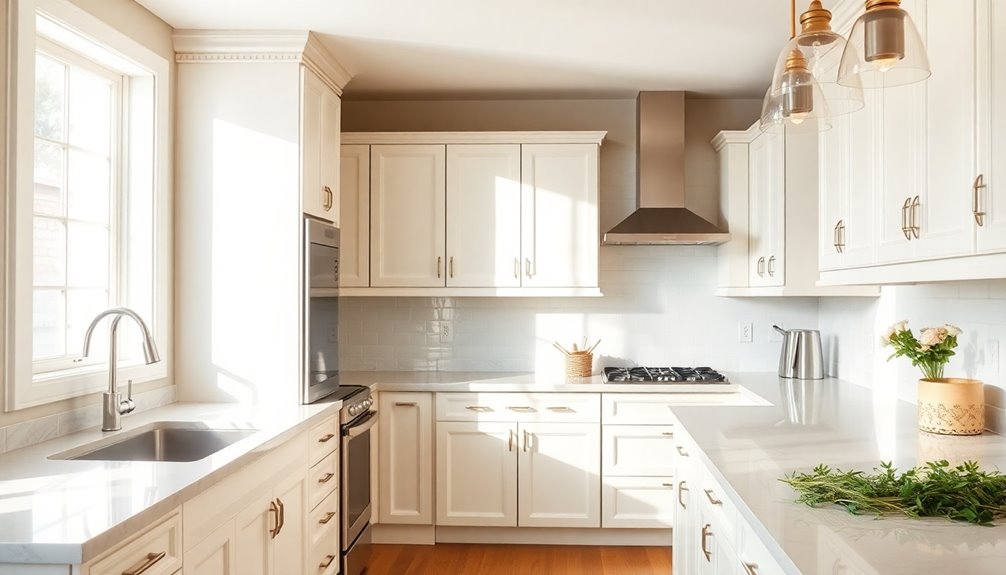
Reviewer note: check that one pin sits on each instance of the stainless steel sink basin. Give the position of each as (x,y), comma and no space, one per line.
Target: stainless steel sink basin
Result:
(161,441)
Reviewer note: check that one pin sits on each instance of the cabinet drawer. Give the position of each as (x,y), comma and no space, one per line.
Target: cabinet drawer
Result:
(637,450)
(159,548)
(637,502)
(322,479)
(638,408)
(551,407)
(720,509)
(323,533)
(754,558)
(324,439)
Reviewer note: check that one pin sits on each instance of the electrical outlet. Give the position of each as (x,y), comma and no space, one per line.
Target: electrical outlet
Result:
(333,332)
(775,336)
(745,332)
(992,356)
(446,332)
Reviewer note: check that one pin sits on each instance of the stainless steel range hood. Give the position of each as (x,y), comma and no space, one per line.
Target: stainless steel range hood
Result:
(661,216)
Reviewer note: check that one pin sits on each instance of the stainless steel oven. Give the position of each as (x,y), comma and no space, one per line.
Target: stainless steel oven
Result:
(321,313)
(357,420)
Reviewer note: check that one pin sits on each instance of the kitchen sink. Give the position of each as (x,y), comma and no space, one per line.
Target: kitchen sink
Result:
(161,441)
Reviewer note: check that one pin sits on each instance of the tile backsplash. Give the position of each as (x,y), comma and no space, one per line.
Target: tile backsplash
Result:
(658,308)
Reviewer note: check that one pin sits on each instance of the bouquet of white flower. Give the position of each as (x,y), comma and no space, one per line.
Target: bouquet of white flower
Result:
(930,352)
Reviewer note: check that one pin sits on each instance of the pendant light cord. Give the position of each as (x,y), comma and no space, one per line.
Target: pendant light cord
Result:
(792,19)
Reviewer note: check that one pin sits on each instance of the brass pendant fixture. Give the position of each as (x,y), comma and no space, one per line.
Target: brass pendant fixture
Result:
(884,49)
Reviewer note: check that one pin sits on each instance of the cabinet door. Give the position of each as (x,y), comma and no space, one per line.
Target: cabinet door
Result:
(833,190)
(214,555)
(559,223)
(559,475)
(992,127)
(311,126)
(477,474)
(638,502)
(254,527)
(354,216)
(483,215)
(331,136)
(944,217)
(864,181)
(406,453)
(637,450)
(902,162)
(766,215)
(686,516)
(290,545)
(407,215)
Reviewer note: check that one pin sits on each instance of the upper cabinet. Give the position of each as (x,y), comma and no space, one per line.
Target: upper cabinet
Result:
(481,214)
(908,183)
(767,184)
(321,113)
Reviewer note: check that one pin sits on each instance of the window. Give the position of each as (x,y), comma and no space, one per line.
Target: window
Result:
(90,203)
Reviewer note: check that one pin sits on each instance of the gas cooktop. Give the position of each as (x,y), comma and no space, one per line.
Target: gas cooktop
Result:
(665,375)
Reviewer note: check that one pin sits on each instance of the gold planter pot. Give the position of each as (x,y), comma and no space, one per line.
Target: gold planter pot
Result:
(951,406)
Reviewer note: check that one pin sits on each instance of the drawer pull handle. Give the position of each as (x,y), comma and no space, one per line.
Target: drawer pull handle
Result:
(560,409)
(671,485)
(682,452)
(328,437)
(682,488)
(521,408)
(479,408)
(527,440)
(326,478)
(328,517)
(712,498)
(750,568)
(706,533)
(274,509)
(510,435)
(146,563)
(975,202)
(667,433)
(328,561)
(405,404)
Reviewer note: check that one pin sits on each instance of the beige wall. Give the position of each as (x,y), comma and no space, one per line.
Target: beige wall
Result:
(703,119)
(142,26)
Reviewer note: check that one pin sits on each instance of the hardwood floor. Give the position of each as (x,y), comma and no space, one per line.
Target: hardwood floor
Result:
(457,559)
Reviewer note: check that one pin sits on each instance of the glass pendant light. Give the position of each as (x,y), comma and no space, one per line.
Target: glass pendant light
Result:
(884,49)
(795,97)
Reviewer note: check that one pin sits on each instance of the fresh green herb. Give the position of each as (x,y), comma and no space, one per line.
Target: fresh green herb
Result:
(962,493)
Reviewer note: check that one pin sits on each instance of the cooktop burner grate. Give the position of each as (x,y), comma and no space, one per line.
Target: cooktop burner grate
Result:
(663,375)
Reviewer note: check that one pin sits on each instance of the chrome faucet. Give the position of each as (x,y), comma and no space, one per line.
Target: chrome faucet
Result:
(113,406)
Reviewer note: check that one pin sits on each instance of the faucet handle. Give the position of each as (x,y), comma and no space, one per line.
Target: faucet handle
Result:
(127,405)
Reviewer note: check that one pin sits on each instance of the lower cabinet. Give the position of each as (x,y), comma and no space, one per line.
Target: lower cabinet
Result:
(638,475)
(518,460)
(157,550)
(405,491)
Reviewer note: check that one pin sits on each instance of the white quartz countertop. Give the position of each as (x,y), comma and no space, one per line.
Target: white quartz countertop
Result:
(68,512)
(843,426)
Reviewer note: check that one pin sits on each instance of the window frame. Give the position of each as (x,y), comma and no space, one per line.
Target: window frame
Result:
(145,160)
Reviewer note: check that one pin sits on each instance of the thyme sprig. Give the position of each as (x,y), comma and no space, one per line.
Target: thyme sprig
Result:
(961,493)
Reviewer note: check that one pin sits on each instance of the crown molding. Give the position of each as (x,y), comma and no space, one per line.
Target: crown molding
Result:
(734,137)
(473,137)
(216,46)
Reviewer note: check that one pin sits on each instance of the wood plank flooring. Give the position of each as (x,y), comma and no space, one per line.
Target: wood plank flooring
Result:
(458,559)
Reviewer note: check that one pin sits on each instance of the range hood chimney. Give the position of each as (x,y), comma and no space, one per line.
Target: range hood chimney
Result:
(661,216)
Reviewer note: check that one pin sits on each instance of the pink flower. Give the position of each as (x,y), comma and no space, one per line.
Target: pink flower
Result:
(932,336)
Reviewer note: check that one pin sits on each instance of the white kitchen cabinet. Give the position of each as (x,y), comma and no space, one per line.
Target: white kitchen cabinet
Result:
(766,213)
(269,533)
(685,516)
(559,223)
(408,242)
(354,216)
(321,115)
(559,475)
(214,555)
(475,214)
(477,473)
(483,215)
(637,450)
(989,193)
(638,502)
(936,162)
(406,458)
(157,550)
(774,248)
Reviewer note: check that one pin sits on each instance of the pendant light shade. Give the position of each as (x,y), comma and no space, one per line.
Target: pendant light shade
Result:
(884,49)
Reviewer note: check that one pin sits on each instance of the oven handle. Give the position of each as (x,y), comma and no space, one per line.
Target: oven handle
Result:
(362,427)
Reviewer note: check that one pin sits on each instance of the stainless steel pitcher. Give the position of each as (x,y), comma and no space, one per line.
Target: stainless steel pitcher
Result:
(801,356)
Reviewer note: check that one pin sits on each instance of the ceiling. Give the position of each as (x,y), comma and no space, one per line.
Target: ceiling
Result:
(522,48)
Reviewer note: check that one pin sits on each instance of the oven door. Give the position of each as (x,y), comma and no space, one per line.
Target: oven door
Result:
(356,477)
